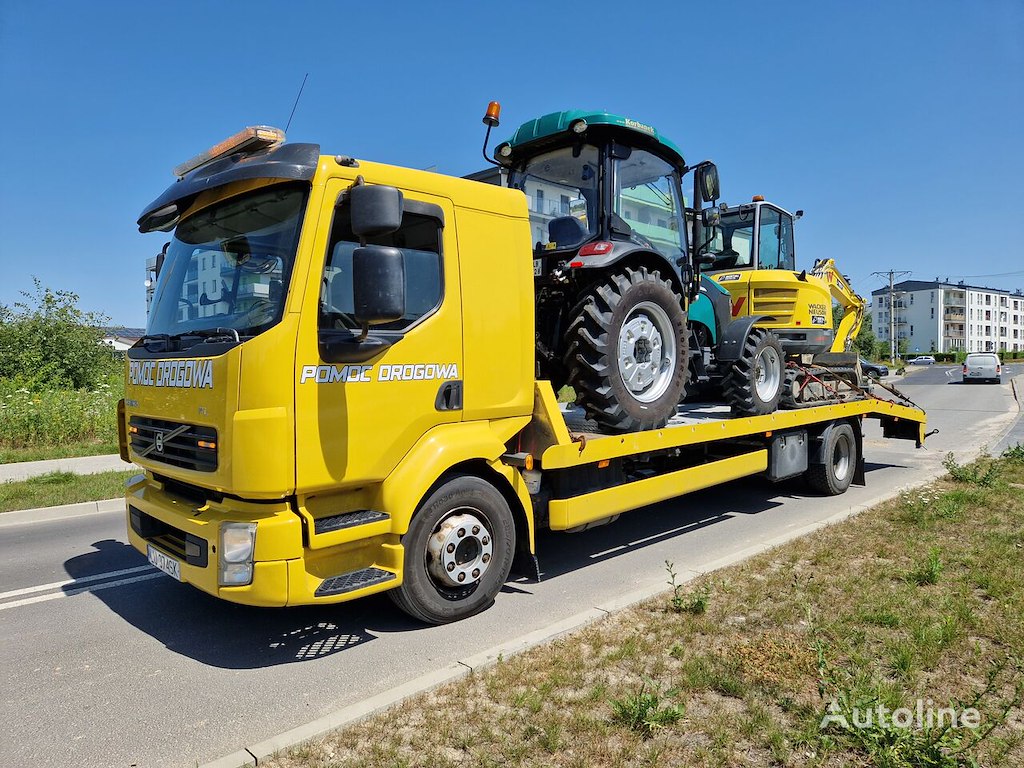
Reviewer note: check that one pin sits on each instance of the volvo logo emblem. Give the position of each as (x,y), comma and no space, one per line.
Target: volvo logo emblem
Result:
(158,442)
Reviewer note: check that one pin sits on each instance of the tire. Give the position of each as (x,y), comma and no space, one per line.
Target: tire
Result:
(464,527)
(839,452)
(788,400)
(754,383)
(628,351)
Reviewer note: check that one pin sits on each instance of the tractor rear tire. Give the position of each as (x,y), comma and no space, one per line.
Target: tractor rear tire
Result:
(628,351)
(754,384)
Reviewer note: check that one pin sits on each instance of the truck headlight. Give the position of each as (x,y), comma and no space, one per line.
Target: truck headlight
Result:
(237,543)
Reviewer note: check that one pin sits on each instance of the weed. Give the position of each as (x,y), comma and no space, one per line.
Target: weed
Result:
(1015,454)
(983,472)
(643,711)
(850,720)
(927,570)
(697,604)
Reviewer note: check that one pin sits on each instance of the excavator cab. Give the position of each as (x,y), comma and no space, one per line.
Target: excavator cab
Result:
(766,332)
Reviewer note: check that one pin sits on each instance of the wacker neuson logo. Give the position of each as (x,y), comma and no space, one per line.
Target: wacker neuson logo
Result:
(184,374)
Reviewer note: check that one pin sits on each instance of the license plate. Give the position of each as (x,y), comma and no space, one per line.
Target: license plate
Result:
(538,267)
(168,565)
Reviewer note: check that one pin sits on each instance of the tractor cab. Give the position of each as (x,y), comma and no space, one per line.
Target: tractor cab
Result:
(598,186)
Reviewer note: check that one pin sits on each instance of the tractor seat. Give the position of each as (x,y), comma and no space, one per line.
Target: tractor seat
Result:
(566,231)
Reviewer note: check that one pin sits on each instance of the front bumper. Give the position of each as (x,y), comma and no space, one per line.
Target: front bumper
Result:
(285,572)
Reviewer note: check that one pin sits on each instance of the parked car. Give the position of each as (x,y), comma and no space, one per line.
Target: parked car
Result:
(922,360)
(873,370)
(982,366)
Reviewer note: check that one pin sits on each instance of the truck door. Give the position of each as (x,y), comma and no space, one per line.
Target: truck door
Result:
(360,409)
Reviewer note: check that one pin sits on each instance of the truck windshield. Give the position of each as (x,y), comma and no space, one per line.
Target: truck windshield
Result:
(228,265)
(561,188)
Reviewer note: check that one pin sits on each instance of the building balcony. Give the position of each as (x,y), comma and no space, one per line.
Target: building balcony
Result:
(548,207)
(954,315)
(954,334)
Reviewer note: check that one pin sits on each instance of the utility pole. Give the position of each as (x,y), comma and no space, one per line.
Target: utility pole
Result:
(893,346)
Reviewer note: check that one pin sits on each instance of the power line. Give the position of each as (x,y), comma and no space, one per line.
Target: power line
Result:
(997,274)
(892,275)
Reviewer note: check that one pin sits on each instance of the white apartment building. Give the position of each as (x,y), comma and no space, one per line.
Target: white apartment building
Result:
(950,317)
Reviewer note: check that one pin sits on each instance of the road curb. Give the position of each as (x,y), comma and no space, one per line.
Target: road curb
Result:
(64,511)
(80,465)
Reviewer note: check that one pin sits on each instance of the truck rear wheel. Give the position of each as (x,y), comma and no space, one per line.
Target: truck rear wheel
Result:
(753,386)
(839,461)
(458,552)
(628,351)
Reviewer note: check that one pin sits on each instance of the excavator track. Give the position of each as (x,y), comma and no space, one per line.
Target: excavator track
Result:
(813,385)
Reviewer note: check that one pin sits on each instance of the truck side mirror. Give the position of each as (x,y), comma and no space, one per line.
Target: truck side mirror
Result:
(376,210)
(378,284)
(707,182)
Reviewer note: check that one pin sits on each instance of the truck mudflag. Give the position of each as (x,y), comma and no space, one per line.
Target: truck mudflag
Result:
(183,374)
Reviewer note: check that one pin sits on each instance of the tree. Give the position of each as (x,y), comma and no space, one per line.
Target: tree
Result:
(47,341)
(866,344)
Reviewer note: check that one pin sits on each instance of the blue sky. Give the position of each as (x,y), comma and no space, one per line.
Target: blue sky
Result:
(898,127)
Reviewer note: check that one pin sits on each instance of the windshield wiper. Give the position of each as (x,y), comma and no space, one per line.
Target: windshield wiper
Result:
(208,334)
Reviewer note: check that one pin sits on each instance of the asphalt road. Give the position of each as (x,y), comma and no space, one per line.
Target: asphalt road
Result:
(108,663)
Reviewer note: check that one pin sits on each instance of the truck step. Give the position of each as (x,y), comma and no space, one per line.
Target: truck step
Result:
(350,582)
(348,520)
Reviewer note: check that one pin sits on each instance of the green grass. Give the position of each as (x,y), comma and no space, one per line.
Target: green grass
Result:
(57,488)
(54,421)
(920,598)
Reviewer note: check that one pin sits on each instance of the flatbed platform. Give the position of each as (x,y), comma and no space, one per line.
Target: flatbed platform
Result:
(576,441)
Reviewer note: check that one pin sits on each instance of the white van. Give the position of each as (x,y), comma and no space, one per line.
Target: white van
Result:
(982,366)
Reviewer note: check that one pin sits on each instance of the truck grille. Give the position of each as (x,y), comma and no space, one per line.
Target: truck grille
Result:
(180,445)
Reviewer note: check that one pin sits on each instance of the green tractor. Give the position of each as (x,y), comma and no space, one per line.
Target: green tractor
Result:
(611,260)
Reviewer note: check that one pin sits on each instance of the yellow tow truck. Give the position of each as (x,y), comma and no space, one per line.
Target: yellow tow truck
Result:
(337,393)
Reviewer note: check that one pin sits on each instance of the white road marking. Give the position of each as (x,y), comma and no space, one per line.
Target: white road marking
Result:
(86,581)
(83,580)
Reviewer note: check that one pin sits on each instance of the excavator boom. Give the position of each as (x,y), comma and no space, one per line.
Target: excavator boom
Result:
(853,305)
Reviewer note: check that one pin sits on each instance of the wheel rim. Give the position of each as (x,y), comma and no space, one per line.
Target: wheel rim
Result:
(767,373)
(841,457)
(647,352)
(459,549)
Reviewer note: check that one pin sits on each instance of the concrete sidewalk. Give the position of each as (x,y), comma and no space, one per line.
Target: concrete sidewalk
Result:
(85,465)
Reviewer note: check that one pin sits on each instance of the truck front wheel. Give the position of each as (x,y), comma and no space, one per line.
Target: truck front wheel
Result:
(458,552)
(628,351)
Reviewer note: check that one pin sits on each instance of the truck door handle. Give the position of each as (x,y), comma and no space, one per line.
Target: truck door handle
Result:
(449,396)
